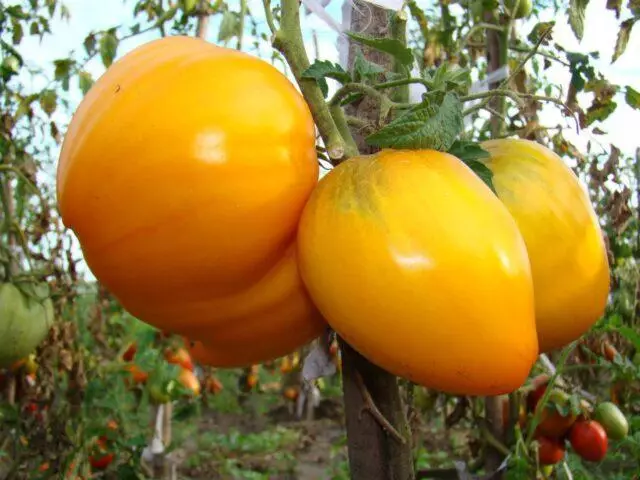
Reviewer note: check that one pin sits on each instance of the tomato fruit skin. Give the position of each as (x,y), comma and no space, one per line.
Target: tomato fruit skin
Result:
(101,462)
(394,251)
(525,7)
(564,240)
(550,451)
(612,420)
(183,174)
(179,356)
(589,440)
(188,379)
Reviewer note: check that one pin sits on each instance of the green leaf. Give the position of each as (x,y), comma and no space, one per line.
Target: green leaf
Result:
(448,78)
(387,45)
(363,68)
(631,335)
(85,81)
(424,126)
(576,13)
(108,48)
(62,70)
(17,33)
(623,38)
(229,26)
(471,153)
(49,101)
(34,28)
(632,97)
(90,44)
(322,69)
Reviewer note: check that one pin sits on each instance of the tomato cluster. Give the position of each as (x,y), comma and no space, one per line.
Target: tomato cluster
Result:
(204,214)
(587,431)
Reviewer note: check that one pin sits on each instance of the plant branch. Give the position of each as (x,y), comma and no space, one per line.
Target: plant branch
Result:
(288,41)
(243,13)
(269,16)
(203,20)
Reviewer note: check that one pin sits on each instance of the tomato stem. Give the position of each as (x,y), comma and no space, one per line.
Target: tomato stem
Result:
(288,41)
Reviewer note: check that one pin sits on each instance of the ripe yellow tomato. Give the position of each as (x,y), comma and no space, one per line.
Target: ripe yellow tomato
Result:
(183,174)
(564,240)
(414,262)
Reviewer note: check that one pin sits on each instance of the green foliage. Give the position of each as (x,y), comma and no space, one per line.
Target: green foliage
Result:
(431,124)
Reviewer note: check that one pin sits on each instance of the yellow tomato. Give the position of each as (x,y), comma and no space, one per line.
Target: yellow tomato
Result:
(564,240)
(414,262)
(183,174)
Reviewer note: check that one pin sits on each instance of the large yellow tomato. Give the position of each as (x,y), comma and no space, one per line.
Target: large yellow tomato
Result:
(411,258)
(183,174)
(564,240)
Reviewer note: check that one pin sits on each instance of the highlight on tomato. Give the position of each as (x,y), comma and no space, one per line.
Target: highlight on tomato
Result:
(565,243)
(394,251)
(186,202)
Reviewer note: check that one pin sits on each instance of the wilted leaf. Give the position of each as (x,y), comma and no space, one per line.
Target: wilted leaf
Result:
(424,126)
(539,30)
(632,97)
(322,69)
(615,5)
(108,47)
(576,13)
(49,101)
(599,112)
(623,38)
(387,45)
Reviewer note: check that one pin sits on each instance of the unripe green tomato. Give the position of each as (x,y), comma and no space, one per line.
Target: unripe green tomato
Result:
(612,420)
(525,7)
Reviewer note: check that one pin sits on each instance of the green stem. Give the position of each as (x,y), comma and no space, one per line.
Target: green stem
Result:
(398,27)
(288,41)
(243,13)
(477,27)
(269,16)
(537,414)
(342,123)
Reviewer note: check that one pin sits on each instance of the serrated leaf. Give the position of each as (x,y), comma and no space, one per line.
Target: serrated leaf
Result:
(229,26)
(85,81)
(108,48)
(576,13)
(322,69)
(424,126)
(632,97)
(391,46)
(49,101)
(482,171)
(363,68)
(623,38)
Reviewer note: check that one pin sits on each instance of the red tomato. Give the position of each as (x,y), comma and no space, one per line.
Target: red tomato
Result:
(130,353)
(551,450)
(101,462)
(589,440)
(180,357)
